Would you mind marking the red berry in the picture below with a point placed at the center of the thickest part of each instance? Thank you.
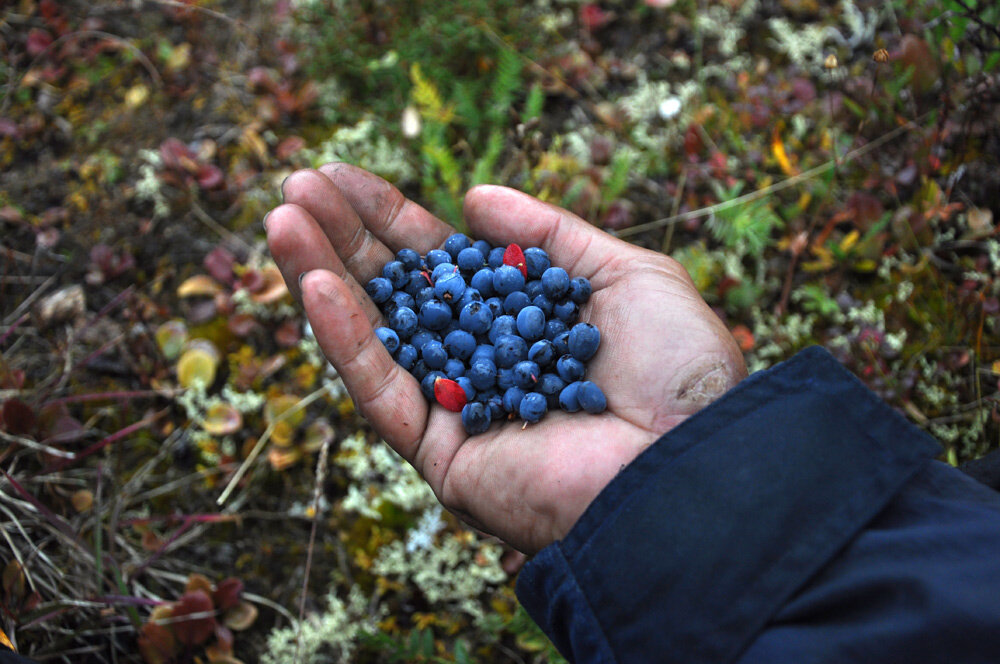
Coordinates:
(449, 394)
(514, 256)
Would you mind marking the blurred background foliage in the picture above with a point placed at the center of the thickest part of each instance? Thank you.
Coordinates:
(184, 476)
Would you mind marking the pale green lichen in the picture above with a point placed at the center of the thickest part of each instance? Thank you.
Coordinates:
(364, 145)
(149, 187)
(380, 476)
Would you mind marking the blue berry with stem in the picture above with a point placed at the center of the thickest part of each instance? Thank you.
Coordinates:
(512, 399)
(379, 290)
(526, 374)
(532, 407)
(507, 279)
(570, 369)
(449, 287)
(542, 352)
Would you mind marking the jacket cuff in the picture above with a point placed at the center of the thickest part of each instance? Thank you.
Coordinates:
(706, 534)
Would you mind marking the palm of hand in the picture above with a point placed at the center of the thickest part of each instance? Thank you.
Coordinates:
(663, 354)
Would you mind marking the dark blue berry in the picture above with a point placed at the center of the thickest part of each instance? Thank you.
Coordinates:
(427, 384)
(434, 354)
(470, 259)
(454, 244)
(379, 290)
(389, 339)
(569, 398)
(512, 399)
(482, 281)
(495, 402)
(583, 341)
(476, 417)
(460, 344)
(396, 273)
(507, 279)
(454, 369)
(483, 374)
(561, 342)
(409, 258)
(542, 352)
(579, 290)
(403, 299)
(513, 303)
(505, 379)
(566, 310)
(467, 387)
(403, 321)
(469, 295)
(537, 262)
(425, 294)
(442, 269)
(419, 370)
(531, 323)
(422, 336)
(435, 315)
(554, 327)
(555, 283)
(483, 246)
(407, 356)
(496, 306)
(591, 397)
(526, 374)
(484, 352)
(437, 256)
(532, 407)
(416, 281)
(450, 287)
(495, 257)
(543, 303)
(533, 288)
(476, 318)
(570, 369)
(550, 385)
(502, 325)
(510, 349)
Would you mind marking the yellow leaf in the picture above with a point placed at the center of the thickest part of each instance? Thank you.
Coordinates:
(179, 58)
(136, 96)
(200, 284)
(995, 367)
(428, 99)
(849, 240)
(778, 150)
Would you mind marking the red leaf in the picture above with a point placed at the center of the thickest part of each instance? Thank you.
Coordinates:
(514, 256)
(175, 154)
(210, 177)
(593, 17)
(38, 41)
(219, 263)
(200, 625)
(449, 394)
(19, 418)
(227, 593)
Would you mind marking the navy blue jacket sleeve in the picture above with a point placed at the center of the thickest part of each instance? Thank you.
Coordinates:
(797, 519)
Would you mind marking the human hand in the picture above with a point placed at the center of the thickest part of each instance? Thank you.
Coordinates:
(663, 356)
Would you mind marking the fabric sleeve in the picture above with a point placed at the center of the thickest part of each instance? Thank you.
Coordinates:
(734, 536)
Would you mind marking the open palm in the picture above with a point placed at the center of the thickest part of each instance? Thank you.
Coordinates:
(663, 356)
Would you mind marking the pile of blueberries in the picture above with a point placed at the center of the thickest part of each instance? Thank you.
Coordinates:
(491, 332)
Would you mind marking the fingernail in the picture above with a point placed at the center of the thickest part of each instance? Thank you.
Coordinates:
(264, 222)
(302, 276)
(283, 187)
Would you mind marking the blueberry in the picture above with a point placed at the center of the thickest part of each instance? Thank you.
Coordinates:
(583, 341)
(434, 354)
(460, 344)
(468, 295)
(403, 299)
(450, 287)
(507, 279)
(470, 259)
(454, 369)
(466, 385)
(532, 407)
(483, 374)
(531, 323)
(454, 244)
(495, 257)
(396, 273)
(419, 370)
(403, 321)
(533, 288)
(512, 399)
(542, 352)
(513, 303)
(483, 352)
(566, 310)
(502, 325)
(422, 336)
(425, 294)
(570, 369)
(476, 417)
(437, 256)
(416, 280)
(407, 356)
(554, 327)
(476, 318)
(543, 303)
(482, 281)
(579, 290)
(442, 269)
(550, 385)
(409, 258)
(569, 398)
(505, 379)
(537, 262)
(495, 402)
(435, 315)
(389, 339)
(510, 349)
(555, 283)
(379, 290)
(561, 342)
(484, 247)
(427, 384)
(496, 306)
(526, 374)
(591, 397)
